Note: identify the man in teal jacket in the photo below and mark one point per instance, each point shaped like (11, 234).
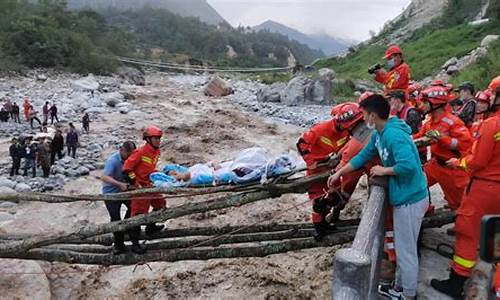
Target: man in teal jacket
(407, 187)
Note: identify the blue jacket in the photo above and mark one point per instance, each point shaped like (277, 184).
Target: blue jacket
(396, 149)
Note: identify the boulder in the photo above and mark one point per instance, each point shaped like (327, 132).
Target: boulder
(95, 110)
(487, 40)
(271, 93)
(326, 73)
(132, 75)
(450, 62)
(4, 182)
(217, 87)
(33, 285)
(320, 90)
(6, 190)
(5, 217)
(124, 110)
(82, 171)
(23, 188)
(41, 77)
(112, 99)
(88, 83)
(302, 90)
(294, 92)
(452, 70)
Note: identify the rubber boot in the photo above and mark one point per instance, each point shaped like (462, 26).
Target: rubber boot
(119, 245)
(153, 228)
(134, 235)
(453, 286)
(322, 229)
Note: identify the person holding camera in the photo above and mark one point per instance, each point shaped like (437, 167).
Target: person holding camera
(481, 197)
(398, 75)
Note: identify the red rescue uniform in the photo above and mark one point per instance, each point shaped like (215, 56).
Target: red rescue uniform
(141, 164)
(316, 146)
(482, 196)
(455, 141)
(397, 78)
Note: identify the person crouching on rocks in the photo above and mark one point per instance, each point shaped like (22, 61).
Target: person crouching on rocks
(113, 182)
(137, 169)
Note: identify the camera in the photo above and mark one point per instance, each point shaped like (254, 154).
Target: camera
(374, 68)
(490, 239)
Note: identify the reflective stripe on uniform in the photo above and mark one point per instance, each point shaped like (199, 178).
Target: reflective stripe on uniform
(147, 160)
(463, 164)
(497, 136)
(326, 140)
(389, 234)
(131, 175)
(447, 120)
(342, 141)
(389, 246)
(469, 264)
(454, 144)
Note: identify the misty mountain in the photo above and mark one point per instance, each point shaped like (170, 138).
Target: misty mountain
(185, 8)
(329, 45)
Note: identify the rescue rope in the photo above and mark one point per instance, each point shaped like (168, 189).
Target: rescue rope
(204, 69)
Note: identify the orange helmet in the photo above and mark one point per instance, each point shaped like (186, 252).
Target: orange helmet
(483, 96)
(364, 96)
(393, 49)
(152, 131)
(348, 115)
(495, 85)
(414, 89)
(335, 110)
(436, 95)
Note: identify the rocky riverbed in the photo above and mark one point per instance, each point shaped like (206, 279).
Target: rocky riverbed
(197, 129)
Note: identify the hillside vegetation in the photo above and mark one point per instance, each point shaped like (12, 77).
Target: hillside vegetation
(427, 48)
(46, 34)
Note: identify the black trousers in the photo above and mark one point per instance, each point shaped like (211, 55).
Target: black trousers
(52, 117)
(72, 151)
(113, 208)
(53, 156)
(35, 118)
(16, 165)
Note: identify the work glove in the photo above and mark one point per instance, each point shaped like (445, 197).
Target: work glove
(433, 134)
(374, 68)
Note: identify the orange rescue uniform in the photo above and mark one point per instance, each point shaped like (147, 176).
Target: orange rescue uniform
(397, 78)
(141, 164)
(316, 145)
(455, 141)
(482, 196)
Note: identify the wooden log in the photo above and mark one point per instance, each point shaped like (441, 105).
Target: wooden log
(201, 242)
(187, 254)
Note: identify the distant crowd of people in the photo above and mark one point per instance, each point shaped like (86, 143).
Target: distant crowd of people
(42, 149)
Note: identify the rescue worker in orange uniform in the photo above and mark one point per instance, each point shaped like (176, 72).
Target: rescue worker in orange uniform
(413, 90)
(317, 146)
(451, 139)
(483, 99)
(482, 197)
(398, 76)
(340, 192)
(137, 168)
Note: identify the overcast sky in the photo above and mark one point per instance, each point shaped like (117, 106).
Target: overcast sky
(351, 19)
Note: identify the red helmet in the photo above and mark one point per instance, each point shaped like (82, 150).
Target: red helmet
(436, 95)
(335, 110)
(483, 96)
(393, 49)
(364, 96)
(348, 115)
(414, 89)
(495, 85)
(152, 131)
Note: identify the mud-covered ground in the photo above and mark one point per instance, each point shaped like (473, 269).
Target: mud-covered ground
(197, 129)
